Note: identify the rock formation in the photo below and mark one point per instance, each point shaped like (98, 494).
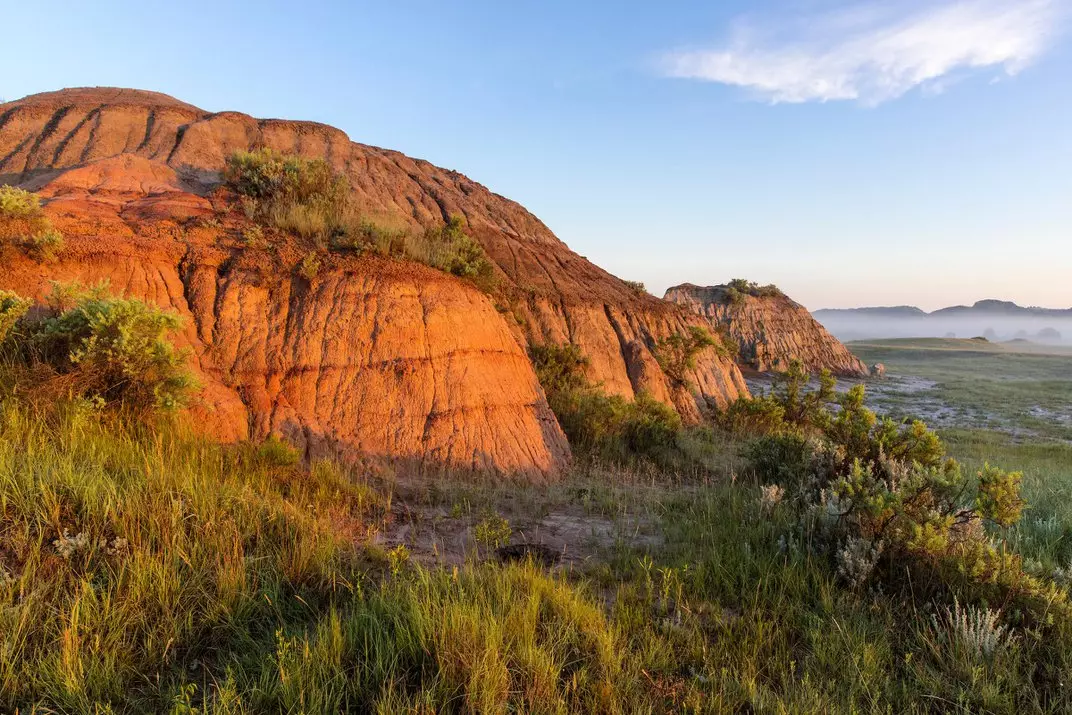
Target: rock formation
(373, 357)
(771, 330)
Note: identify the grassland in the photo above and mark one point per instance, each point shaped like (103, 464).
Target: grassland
(149, 573)
(145, 570)
(1022, 389)
(1002, 403)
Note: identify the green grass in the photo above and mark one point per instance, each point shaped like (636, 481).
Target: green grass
(1006, 382)
(1016, 388)
(189, 577)
(144, 570)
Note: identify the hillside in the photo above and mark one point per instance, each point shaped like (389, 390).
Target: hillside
(770, 330)
(373, 357)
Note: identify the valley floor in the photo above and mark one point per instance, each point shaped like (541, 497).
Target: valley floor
(142, 572)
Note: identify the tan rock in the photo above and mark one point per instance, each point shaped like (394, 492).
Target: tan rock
(770, 330)
(425, 367)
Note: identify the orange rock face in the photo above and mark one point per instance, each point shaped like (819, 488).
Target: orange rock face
(372, 357)
(771, 331)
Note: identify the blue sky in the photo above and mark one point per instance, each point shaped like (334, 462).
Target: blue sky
(853, 153)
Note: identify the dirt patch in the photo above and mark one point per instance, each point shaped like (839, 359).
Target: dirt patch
(552, 525)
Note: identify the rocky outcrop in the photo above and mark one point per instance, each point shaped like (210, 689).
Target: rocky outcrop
(771, 330)
(369, 359)
(374, 356)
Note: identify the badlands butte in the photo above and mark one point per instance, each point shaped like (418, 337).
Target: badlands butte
(373, 357)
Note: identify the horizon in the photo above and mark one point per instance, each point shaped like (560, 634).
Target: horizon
(848, 153)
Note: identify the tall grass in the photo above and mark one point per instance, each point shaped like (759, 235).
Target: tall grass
(131, 559)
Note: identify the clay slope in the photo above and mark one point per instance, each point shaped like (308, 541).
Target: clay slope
(771, 330)
(370, 359)
(550, 294)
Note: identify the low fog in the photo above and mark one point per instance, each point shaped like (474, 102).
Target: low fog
(868, 325)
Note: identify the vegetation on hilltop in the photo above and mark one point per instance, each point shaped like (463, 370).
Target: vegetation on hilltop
(739, 288)
(22, 222)
(307, 198)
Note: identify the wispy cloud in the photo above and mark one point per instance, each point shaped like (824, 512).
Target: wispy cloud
(871, 53)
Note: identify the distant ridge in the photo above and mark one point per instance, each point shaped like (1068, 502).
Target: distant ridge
(991, 318)
(989, 305)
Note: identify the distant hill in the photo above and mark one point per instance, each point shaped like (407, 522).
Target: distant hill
(770, 329)
(989, 307)
(994, 319)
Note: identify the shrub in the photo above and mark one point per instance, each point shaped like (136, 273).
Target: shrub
(253, 237)
(450, 249)
(881, 501)
(649, 426)
(780, 458)
(791, 406)
(677, 353)
(292, 192)
(310, 266)
(729, 347)
(307, 198)
(559, 368)
(12, 308)
(637, 287)
(23, 222)
(275, 452)
(493, 531)
(117, 348)
(604, 425)
(367, 235)
(45, 245)
(739, 288)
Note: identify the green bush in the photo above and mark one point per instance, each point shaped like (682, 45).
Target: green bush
(46, 245)
(884, 504)
(637, 287)
(677, 353)
(116, 350)
(790, 406)
(449, 248)
(309, 266)
(608, 426)
(24, 223)
(559, 368)
(18, 203)
(12, 308)
(292, 193)
(739, 288)
(274, 452)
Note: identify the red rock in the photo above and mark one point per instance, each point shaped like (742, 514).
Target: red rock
(376, 357)
(770, 330)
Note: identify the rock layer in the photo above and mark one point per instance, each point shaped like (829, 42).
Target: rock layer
(770, 330)
(375, 356)
(554, 294)
(370, 359)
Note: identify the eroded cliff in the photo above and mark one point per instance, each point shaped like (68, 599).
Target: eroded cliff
(771, 330)
(373, 356)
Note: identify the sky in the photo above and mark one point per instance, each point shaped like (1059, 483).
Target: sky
(853, 153)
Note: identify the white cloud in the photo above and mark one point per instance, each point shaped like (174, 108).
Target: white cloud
(871, 54)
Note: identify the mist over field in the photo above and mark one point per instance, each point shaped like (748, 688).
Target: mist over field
(1003, 322)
